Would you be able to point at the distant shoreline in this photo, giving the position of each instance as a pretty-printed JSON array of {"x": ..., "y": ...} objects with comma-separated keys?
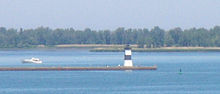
[{"x": 119, "y": 48}]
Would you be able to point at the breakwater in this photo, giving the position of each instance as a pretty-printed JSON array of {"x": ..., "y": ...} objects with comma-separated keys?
[
  {"x": 163, "y": 49},
  {"x": 76, "y": 68}
]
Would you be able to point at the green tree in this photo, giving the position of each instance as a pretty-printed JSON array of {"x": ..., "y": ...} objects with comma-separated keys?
[{"x": 169, "y": 41}]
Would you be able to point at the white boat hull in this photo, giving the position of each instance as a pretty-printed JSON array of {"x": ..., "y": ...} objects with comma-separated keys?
[{"x": 30, "y": 61}]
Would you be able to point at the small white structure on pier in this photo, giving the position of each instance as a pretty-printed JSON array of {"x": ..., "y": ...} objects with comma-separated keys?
[{"x": 127, "y": 57}]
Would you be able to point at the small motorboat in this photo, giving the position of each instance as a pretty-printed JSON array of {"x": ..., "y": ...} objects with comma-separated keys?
[{"x": 32, "y": 60}]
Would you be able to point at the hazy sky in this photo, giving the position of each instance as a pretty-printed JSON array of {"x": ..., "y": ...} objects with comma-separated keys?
[{"x": 109, "y": 14}]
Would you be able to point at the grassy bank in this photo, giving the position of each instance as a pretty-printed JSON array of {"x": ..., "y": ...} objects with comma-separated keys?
[
  {"x": 68, "y": 46},
  {"x": 91, "y": 46},
  {"x": 163, "y": 49},
  {"x": 120, "y": 48}
]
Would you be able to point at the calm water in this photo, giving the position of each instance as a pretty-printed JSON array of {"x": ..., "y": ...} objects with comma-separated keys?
[{"x": 201, "y": 73}]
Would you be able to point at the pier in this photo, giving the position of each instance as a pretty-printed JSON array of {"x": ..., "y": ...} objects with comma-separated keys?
[{"x": 119, "y": 68}]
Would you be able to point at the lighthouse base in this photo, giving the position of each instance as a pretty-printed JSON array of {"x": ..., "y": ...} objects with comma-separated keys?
[{"x": 128, "y": 63}]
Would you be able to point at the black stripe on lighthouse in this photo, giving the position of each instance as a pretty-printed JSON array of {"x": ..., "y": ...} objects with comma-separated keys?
[{"x": 127, "y": 57}]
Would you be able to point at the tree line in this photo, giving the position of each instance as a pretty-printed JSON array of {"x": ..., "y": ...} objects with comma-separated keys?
[{"x": 156, "y": 37}]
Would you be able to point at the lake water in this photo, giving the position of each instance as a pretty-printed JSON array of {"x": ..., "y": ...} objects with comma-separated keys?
[{"x": 200, "y": 73}]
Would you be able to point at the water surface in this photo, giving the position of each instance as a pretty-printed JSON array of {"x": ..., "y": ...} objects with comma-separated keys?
[{"x": 200, "y": 73}]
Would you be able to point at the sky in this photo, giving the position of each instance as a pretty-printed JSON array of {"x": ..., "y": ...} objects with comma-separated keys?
[{"x": 109, "y": 14}]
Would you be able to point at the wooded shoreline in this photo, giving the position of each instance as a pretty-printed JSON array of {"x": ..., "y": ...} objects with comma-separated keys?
[{"x": 143, "y": 37}]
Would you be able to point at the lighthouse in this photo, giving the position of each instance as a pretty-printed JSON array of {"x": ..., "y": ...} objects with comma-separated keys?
[{"x": 127, "y": 57}]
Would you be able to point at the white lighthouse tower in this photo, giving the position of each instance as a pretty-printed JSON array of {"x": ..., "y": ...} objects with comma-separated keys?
[{"x": 127, "y": 57}]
